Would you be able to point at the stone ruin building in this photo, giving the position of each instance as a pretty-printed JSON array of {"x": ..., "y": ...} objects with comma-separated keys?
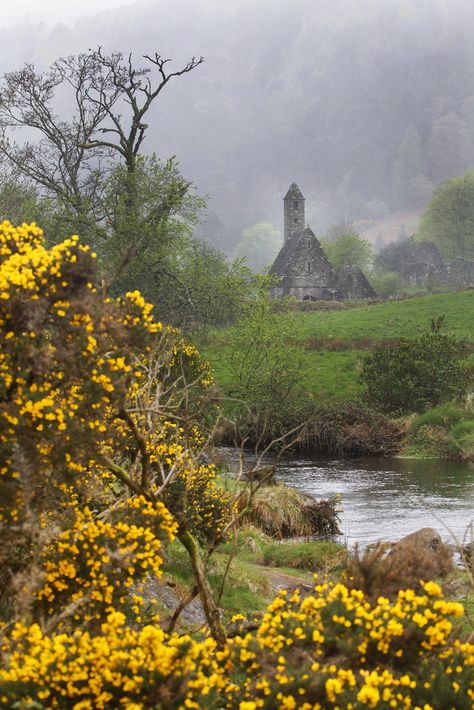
[
  {"x": 425, "y": 268},
  {"x": 304, "y": 269}
]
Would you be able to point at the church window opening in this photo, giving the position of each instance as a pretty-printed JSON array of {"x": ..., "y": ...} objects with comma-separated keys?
[
  {"x": 295, "y": 204},
  {"x": 308, "y": 265},
  {"x": 296, "y": 220}
]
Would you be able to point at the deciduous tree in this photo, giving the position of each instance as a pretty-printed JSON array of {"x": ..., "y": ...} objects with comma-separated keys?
[
  {"x": 449, "y": 217},
  {"x": 349, "y": 249}
]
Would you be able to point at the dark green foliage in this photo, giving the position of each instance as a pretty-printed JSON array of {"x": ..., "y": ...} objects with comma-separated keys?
[
  {"x": 391, "y": 257},
  {"x": 142, "y": 251},
  {"x": 445, "y": 431},
  {"x": 262, "y": 370},
  {"x": 415, "y": 374},
  {"x": 202, "y": 289}
]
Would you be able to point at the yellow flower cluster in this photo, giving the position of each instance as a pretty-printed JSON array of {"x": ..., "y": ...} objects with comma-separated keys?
[
  {"x": 335, "y": 649},
  {"x": 17, "y": 239},
  {"x": 140, "y": 312},
  {"x": 190, "y": 489},
  {"x": 67, "y": 361},
  {"x": 95, "y": 563},
  {"x": 186, "y": 356},
  {"x": 304, "y": 655},
  {"x": 119, "y": 667}
]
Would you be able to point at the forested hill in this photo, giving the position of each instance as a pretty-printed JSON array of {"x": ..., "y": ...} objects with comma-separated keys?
[{"x": 366, "y": 104}]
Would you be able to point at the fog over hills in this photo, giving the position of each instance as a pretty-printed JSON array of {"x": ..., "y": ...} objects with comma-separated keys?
[{"x": 365, "y": 104}]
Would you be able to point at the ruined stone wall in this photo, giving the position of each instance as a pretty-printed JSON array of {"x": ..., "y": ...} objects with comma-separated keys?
[{"x": 459, "y": 273}]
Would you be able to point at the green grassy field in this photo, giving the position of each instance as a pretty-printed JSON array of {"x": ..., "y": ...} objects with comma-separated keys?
[
  {"x": 394, "y": 319},
  {"x": 331, "y": 373},
  {"x": 325, "y": 374}
]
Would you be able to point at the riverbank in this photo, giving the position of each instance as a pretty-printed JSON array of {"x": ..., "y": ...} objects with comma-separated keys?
[
  {"x": 327, "y": 393},
  {"x": 446, "y": 431},
  {"x": 350, "y": 429},
  {"x": 386, "y": 498},
  {"x": 251, "y": 566}
]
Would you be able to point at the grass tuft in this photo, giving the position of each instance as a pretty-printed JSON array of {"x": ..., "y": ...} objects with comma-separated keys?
[{"x": 283, "y": 512}]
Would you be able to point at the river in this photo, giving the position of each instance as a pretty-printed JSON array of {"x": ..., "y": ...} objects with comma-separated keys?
[{"x": 385, "y": 499}]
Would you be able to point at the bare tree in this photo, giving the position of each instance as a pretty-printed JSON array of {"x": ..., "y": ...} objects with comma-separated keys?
[
  {"x": 136, "y": 89},
  {"x": 52, "y": 155},
  {"x": 69, "y": 159}
]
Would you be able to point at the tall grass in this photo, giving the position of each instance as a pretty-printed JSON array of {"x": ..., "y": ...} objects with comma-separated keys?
[
  {"x": 445, "y": 430},
  {"x": 282, "y": 512}
]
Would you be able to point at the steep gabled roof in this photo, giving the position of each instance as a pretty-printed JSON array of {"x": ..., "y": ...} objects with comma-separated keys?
[
  {"x": 293, "y": 257},
  {"x": 353, "y": 284},
  {"x": 284, "y": 255},
  {"x": 294, "y": 193}
]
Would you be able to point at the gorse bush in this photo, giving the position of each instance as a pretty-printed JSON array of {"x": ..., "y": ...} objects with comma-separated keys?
[
  {"x": 331, "y": 649},
  {"x": 95, "y": 563},
  {"x": 98, "y": 403}
]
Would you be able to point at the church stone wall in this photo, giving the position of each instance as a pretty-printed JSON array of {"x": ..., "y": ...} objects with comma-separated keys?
[{"x": 303, "y": 267}]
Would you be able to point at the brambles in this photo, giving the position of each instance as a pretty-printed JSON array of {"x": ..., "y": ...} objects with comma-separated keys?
[
  {"x": 352, "y": 429},
  {"x": 385, "y": 569}
]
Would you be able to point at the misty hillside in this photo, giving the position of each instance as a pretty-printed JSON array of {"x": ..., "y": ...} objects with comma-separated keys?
[{"x": 365, "y": 104}]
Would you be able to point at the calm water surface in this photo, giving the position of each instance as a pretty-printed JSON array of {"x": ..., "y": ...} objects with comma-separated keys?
[{"x": 389, "y": 498}]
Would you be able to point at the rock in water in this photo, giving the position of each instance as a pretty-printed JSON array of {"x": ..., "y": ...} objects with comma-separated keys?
[{"x": 424, "y": 551}]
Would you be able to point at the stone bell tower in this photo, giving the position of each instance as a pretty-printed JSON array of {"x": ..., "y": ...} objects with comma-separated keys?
[{"x": 294, "y": 221}]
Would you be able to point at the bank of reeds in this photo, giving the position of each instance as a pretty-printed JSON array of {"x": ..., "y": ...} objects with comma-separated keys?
[{"x": 283, "y": 512}]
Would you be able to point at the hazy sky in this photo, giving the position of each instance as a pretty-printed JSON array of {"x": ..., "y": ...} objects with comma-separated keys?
[{"x": 52, "y": 11}]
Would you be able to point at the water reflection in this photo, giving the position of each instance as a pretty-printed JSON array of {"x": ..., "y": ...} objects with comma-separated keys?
[{"x": 389, "y": 498}]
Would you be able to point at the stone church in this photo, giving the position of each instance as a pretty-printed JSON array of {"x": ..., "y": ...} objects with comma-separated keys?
[{"x": 304, "y": 269}]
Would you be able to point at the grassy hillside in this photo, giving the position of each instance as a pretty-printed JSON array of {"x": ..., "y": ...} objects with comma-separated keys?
[
  {"x": 338, "y": 340},
  {"x": 394, "y": 319}
]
